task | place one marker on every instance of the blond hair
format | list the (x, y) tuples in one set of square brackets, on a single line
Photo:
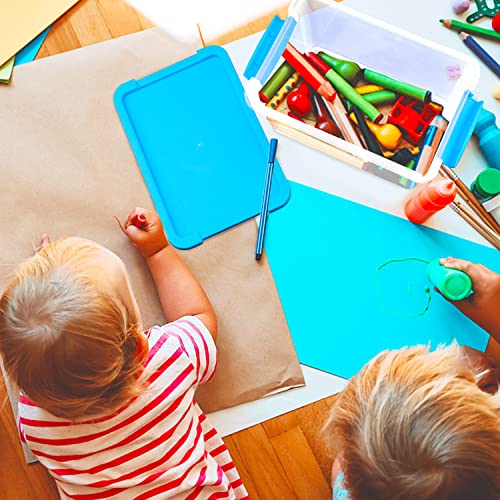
[(414, 425), (68, 340)]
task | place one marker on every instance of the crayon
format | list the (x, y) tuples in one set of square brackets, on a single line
[(349, 70), (468, 28), (345, 88), (398, 86), (283, 91), (278, 78), (480, 52), (310, 74)]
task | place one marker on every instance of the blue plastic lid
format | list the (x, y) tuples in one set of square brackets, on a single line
[(200, 147)]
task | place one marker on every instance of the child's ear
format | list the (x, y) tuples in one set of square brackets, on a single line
[(142, 347)]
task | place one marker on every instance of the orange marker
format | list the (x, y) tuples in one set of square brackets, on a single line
[(430, 199), (139, 220)]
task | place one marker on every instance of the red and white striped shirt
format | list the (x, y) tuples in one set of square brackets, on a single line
[(159, 445)]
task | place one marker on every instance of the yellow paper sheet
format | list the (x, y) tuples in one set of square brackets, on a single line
[(23, 20), (6, 71)]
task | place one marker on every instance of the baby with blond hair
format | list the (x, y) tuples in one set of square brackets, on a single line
[(109, 409), (421, 425)]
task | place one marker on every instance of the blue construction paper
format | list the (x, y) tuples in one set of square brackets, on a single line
[(200, 147), (29, 52), (324, 252)]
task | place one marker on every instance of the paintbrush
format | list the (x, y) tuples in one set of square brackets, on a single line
[(476, 224), (471, 200)]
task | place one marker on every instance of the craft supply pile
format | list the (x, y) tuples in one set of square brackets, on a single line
[(391, 118)]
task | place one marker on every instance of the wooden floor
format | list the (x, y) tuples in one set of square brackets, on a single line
[(283, 458)]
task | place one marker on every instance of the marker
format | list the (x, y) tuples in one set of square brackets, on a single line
[(275, 82), (397, 85), (480, 52), (430, 144), (264, 211), (139, 221)]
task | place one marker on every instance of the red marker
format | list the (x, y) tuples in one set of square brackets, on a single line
[(139, 220), (309, 73)]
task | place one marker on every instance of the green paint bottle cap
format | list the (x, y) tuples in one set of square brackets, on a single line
[(487, 183), (452, 283)]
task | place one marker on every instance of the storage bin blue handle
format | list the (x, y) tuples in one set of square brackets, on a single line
[(269, 49), (460, 130)]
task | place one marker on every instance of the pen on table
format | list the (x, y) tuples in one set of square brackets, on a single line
[(480, 52), (430, 144), (264, 211)]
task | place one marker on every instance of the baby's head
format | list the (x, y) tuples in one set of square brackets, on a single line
[(414, 425), (70, 330)]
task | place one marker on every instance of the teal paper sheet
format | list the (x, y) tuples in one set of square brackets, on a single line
[(324, 252), (28, 53)]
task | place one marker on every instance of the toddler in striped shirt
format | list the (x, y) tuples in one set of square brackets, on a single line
[(109, 409)]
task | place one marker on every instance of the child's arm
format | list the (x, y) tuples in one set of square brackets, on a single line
[(483, 306), (179, 291)]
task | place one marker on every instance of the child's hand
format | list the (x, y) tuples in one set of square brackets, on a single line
[(150, 237), (483, 305)]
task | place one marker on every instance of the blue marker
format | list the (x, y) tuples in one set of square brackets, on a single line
[(264, 211)]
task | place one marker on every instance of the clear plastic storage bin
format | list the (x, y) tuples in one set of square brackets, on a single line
[(348, 34)]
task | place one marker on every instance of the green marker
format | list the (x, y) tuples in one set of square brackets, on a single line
[(344, 87), (398, 86), (348, 70), (278, 78), (381, 97), (487, 184), (452, 283)]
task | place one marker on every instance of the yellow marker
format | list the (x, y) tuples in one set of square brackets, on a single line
[(283, 91), (388, 135), (368, 89)]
